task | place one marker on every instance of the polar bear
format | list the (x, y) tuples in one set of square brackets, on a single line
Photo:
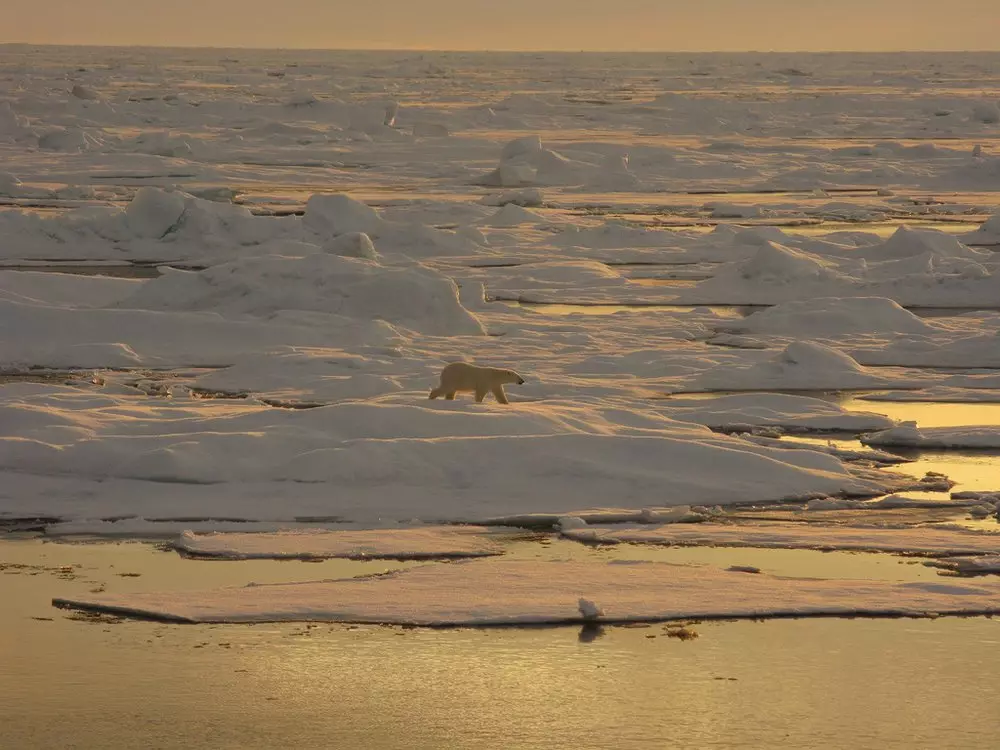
[(461, 376)]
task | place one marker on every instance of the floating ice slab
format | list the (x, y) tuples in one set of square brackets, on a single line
[(312, 544), (909, 435), (980, 565), (919, 541), (509, 592)]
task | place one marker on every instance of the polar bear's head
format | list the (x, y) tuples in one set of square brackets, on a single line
[(509, 376)]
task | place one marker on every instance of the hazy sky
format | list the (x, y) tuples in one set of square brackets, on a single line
[(513, 24)]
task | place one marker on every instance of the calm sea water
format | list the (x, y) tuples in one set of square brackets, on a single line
[(826, 683)]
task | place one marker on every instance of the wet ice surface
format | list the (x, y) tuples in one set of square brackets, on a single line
[(230, 284)]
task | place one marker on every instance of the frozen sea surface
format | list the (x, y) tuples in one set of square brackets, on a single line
[(232, 278)]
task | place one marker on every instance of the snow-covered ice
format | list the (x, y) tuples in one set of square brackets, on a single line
[(517, 592), (390, 543), (302, 253), (931, 541), (909, 435)]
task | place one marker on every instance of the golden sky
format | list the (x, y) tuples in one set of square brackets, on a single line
[(513, 24)]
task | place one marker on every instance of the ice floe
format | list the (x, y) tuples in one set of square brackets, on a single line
[(931, 541), (510, 592), (313, 544), (908, 434)]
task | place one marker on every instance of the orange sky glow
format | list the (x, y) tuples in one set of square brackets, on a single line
[(513, 24)]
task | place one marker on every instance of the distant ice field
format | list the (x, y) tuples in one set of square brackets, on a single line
[(230, 279)]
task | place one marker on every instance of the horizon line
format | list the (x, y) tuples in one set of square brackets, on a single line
[(498, 50)]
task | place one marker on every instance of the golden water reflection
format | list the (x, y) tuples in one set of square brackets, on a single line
[(808, 683)]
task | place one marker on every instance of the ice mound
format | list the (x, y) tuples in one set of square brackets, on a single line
[(412, 296), (338, 213), (772, 409), (831, 317), (525, 161), (802, 365), (353, 245), (907, 243), (314, 544), (153, 212), (918, 540), (909, 435), (518, 592), (776, 263), (987, 234)]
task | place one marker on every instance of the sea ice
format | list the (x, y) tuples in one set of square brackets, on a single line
[(523, 592), (312, 544), (931, 541)]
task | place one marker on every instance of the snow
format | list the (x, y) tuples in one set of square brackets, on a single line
[(732, 412), (412, 296), (909, 435), (389, 461), (833, 317), (313, 544), (517, 592), (802, 365), (931, 541), (323, 242)]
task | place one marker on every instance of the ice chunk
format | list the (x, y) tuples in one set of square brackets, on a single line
[(338, 213), (589, 610), (154, 212), (353, 245)]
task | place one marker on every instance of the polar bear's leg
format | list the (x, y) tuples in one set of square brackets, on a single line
[(480, 395), (499, 395), (450, 395)]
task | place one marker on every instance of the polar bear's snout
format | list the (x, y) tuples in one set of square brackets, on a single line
[(520, 381)]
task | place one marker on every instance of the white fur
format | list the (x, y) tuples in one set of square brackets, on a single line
[(461, 376)]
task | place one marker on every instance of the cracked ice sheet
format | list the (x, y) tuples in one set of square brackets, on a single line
[(514, 592), (931, 541), (431, 541)]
